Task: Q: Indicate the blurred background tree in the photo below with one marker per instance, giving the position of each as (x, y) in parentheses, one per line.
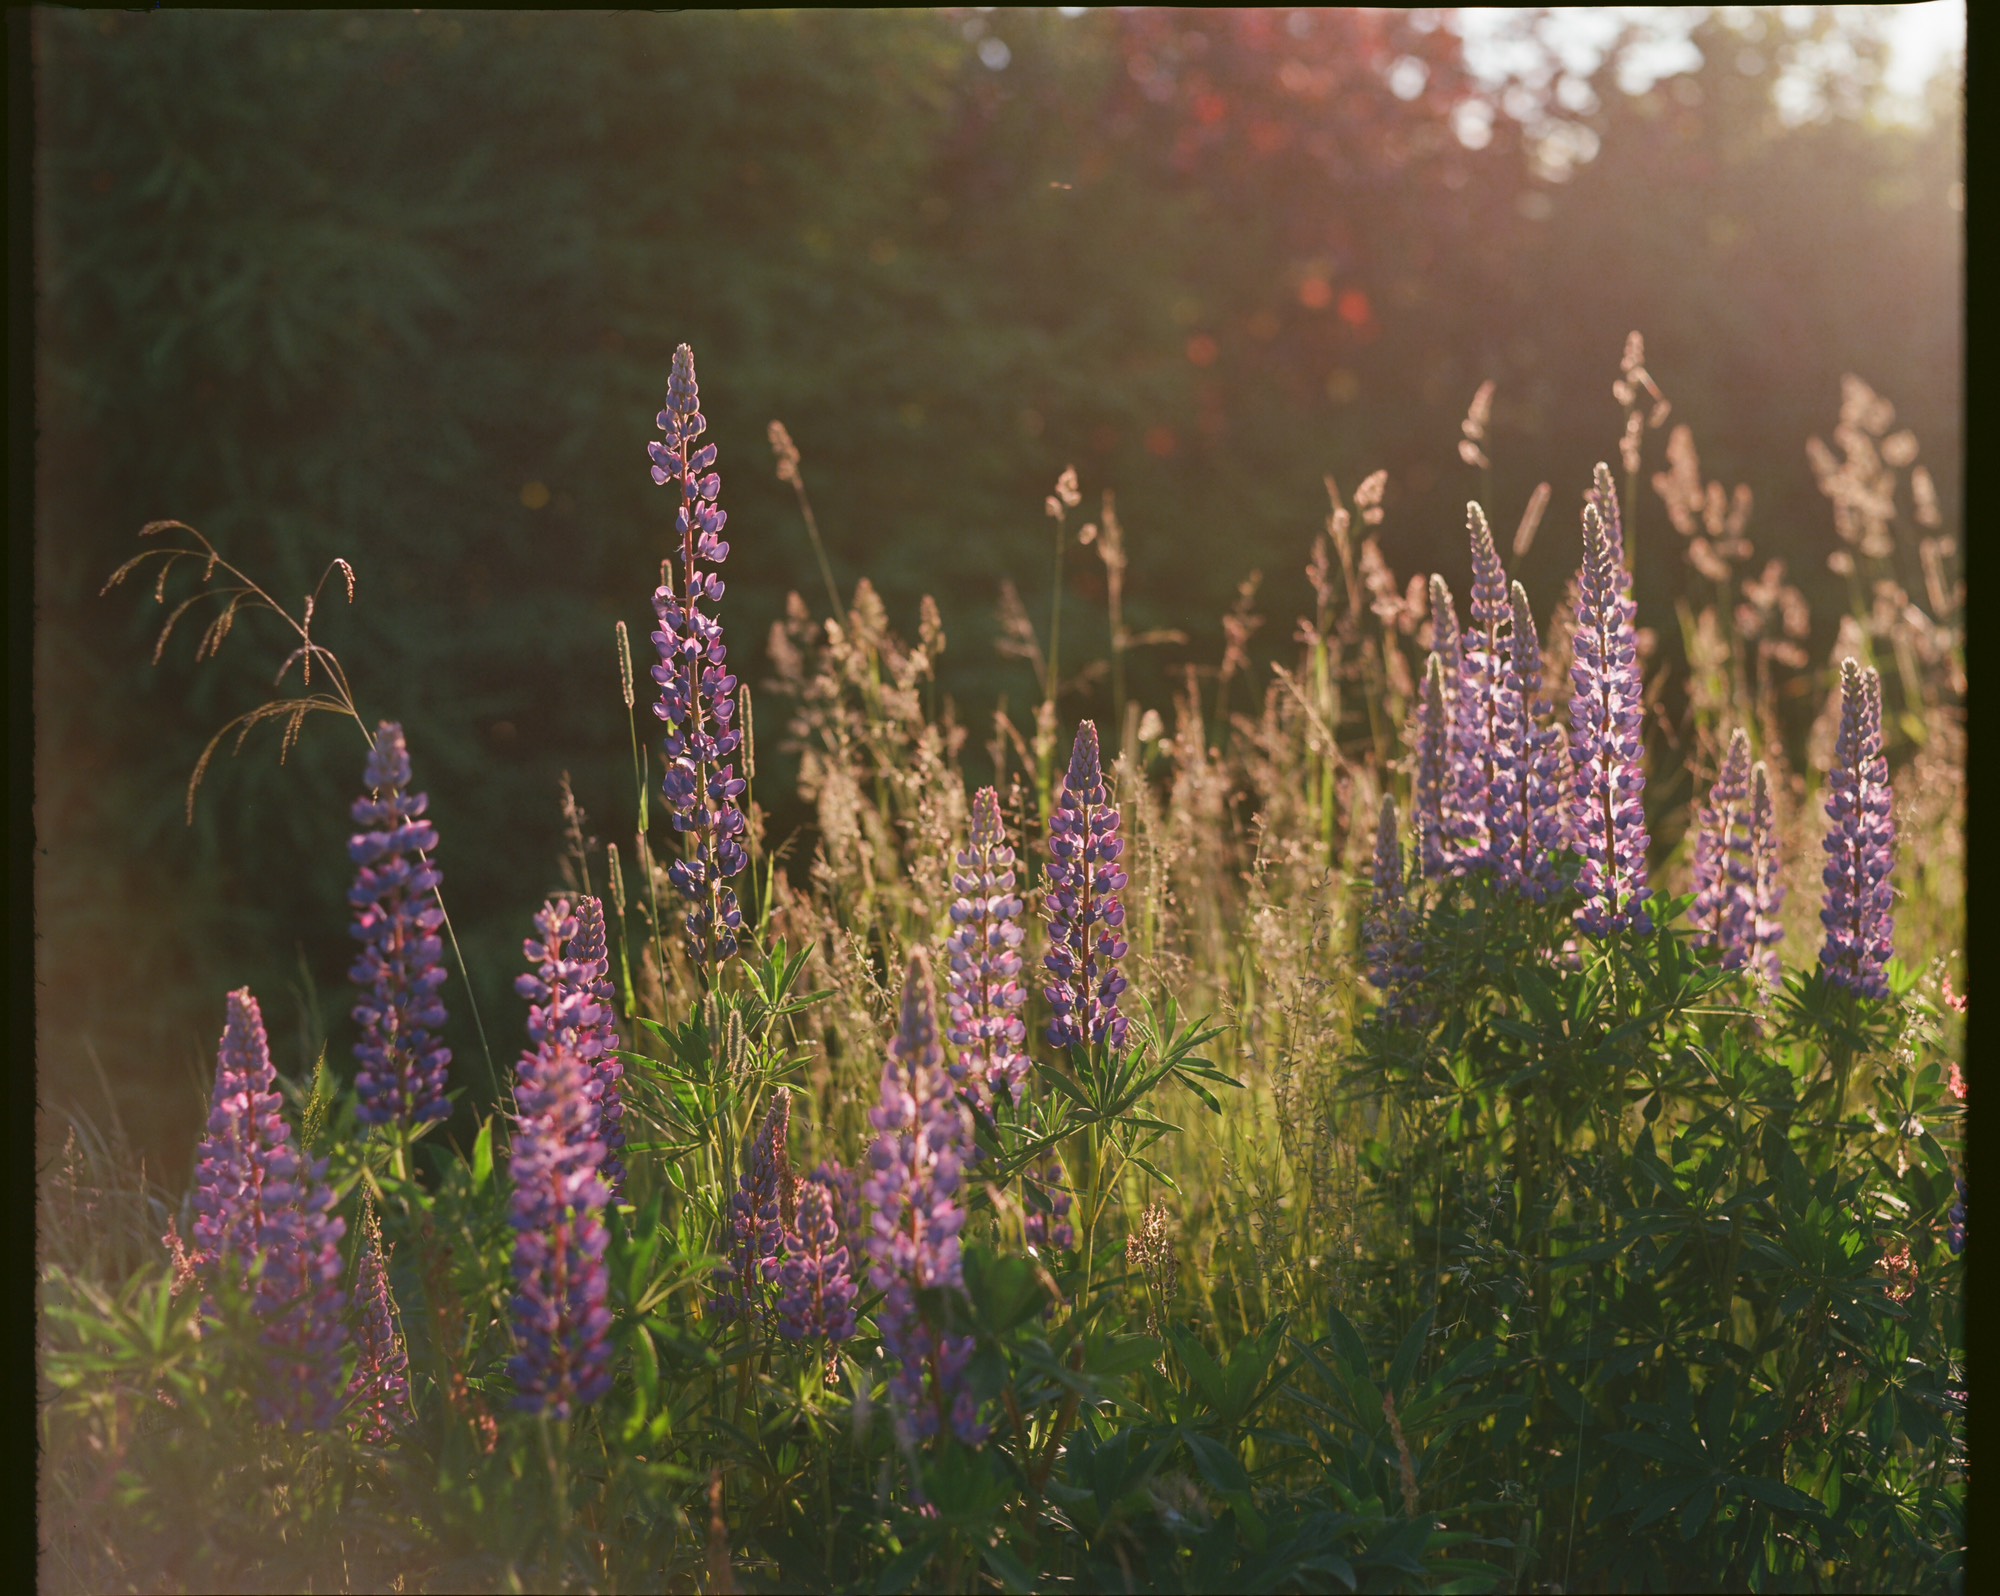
(404, 287)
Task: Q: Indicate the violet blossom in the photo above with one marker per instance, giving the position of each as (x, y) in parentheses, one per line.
(760, 1210)
(916, 1168)
(1607, 814)
(1082, 906)
(815, 1281)
(404, 1067)
(561, 1305)
(986, 997)
(697, 694)
(264, 1220)
(1530, 769)
(1721, 912)
(1859, 912)
(570, 1001)
(378, 1394)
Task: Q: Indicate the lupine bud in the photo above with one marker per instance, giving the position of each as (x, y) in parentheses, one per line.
(258, 1203)
(1954, 1233)
(1530, 769)
(561, 1306)
(697, 693)
(404, 1067)
(915, 1170)
(1082, 906)
(1859, 915)
(816, 1288)
(378, 1395)
(1486, 697)
(1607, 814)
(983, 947)
(1435, 799)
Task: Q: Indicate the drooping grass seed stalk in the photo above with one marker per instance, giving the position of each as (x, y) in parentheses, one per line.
(240, 592)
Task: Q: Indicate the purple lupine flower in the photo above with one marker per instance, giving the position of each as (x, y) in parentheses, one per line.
(1388, 931)
(760, 1210)
(1602, 496)
(844, 1192)
(1484, 691)
(404, 1067)
(570, 1001)
(561, 1304)
(815, 1283)
(697, 693)
(986, 1026)
(1607, 814)
(1954, 1230)
(378, 1395)
(257, 1202)
(1859, 915)
(1082, 906)
(1765, 893)
(1046, 1222)
(1530, 769)
(916, 1167)
(1721, 913)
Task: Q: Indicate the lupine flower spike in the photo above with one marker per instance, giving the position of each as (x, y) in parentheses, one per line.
(915, 1170)
(257, 1202)
(1488, 651)
(815, 1282)
(760, 1211)
(378, 1395)
(1082, 906)
(1530, 769)
(1607, 815)
(1434, 798)
(404, 1067)
(697, 693)
(561, 1305)
(570, 1000)
(1461, 793)
(1722, 835)
(1859, 915)
(986, 998)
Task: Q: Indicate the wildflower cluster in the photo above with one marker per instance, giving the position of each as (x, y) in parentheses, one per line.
(404, 1066)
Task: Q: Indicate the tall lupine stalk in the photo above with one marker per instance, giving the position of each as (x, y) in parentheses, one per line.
(1766, 893)
(1607, 814)
(1389, 930)
(1082, 906)
(570, 1000)
(760, 1210)
(986, 997)
(1488, 651)
(1530, 769)
(378, 1394)
(916, 1167)
(404, 1067)
(1859, 913)
(263, 1212)
(697, 694)
(561, 1305)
